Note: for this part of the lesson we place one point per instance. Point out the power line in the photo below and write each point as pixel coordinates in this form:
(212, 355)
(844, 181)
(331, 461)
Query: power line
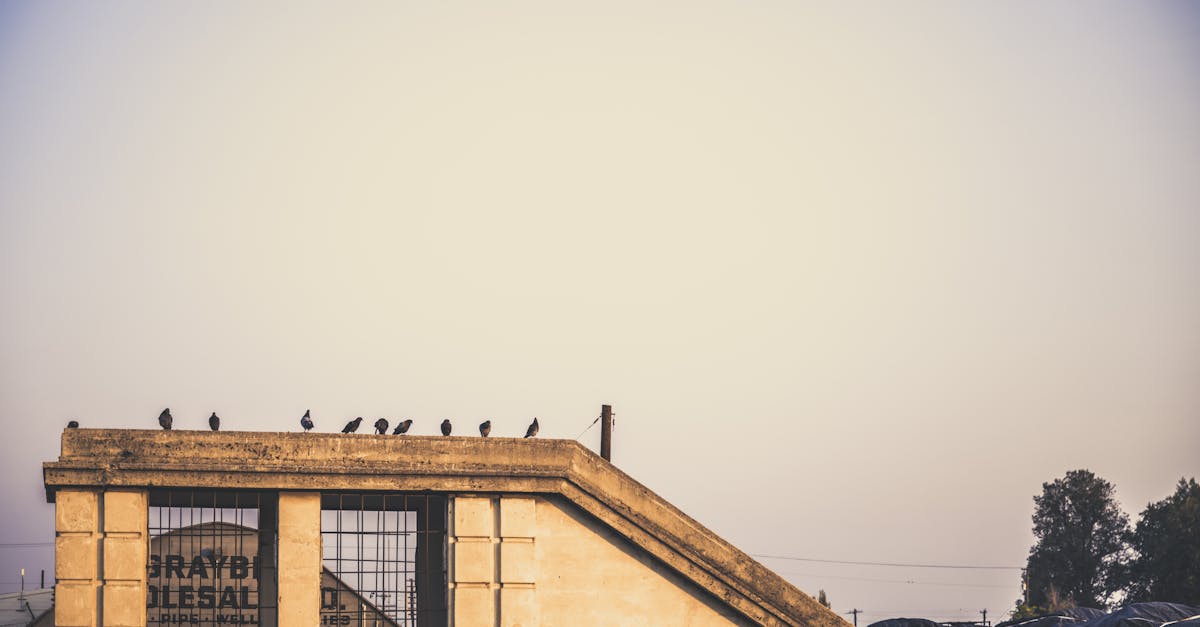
(906, 581)
(903, 565)
(589, 428)
(23, 545)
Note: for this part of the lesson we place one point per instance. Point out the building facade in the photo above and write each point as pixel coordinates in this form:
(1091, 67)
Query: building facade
(298, 529)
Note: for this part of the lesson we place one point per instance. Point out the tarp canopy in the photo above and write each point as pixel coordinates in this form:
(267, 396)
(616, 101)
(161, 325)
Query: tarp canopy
(1151, 614)
(905, 622)
(1063, 618)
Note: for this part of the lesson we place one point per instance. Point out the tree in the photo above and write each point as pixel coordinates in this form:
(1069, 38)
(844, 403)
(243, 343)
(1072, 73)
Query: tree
(1080, 534)
(1166, 543)
(821, 598)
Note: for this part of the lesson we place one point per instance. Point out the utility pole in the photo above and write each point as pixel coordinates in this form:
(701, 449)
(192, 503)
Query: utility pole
(606, 427)
(21, 597)
(984, 612)
(855, 611)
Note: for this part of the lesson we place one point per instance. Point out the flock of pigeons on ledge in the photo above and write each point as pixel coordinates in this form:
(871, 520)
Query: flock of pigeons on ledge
(165, 420)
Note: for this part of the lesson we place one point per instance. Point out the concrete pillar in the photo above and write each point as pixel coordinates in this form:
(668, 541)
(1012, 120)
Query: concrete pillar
(77, 558)
(100, 558)
(493, 566)
(299, 558)
(123, 558)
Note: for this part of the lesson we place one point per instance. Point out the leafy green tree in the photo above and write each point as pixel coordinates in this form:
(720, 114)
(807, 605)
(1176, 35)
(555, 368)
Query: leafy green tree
(1166, 542)
(1080, 534)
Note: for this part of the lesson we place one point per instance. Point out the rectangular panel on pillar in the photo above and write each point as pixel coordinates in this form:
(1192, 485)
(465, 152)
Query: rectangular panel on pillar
(124, 553)
(473, 551)
(518, 561)
(77, 557)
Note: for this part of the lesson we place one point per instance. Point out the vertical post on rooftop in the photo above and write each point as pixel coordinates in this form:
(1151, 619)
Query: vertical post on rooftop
(606, 427)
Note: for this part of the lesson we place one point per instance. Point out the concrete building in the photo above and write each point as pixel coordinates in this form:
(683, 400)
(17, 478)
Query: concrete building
(301, 529)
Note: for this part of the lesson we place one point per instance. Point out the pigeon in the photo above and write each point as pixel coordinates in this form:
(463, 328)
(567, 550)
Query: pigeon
(306, 421)
(446, 427)
(165, 420)
(352, 426)
(533, 428)
(214, 422)
(402, 428)
(485, 428)
(74, 424)
(381, 426)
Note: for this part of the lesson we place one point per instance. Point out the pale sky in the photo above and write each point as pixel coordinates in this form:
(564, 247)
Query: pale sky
(857, 278)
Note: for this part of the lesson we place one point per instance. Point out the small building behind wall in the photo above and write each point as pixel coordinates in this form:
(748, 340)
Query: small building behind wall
(179, 527)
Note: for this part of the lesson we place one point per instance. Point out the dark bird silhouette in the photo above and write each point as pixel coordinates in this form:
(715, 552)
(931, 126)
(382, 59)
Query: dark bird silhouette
(533, 428)
(381, 426)
(214, 422)
(402, 428)
(165, 420)
(352, 426)
(306, 421)
(485, 428)
(446, 427)
(74, 424)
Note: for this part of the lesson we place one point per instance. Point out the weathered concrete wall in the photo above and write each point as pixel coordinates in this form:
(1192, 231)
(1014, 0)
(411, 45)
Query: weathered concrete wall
(525, 561)
(597, 576)
(100, 558)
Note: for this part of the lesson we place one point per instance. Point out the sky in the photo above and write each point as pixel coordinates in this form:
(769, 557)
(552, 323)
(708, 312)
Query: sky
(857, 278)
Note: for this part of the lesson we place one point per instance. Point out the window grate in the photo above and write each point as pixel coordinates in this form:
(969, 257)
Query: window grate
(384, 559)
(210, 563)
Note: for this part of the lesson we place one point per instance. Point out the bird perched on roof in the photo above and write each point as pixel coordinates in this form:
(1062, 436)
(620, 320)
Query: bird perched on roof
(485, 428)
(352, 426)
(165, 420)
(306, 421)
(402, 428)
(446, 427)
(214, 422)
(74, 424)
(381, 426)
(533, 428)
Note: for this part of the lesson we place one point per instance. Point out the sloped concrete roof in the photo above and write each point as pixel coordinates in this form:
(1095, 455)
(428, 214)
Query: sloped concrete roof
(320, 461)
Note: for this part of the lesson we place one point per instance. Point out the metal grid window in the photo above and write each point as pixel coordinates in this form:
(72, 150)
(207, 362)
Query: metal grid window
(211, 558)
(384, 559)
